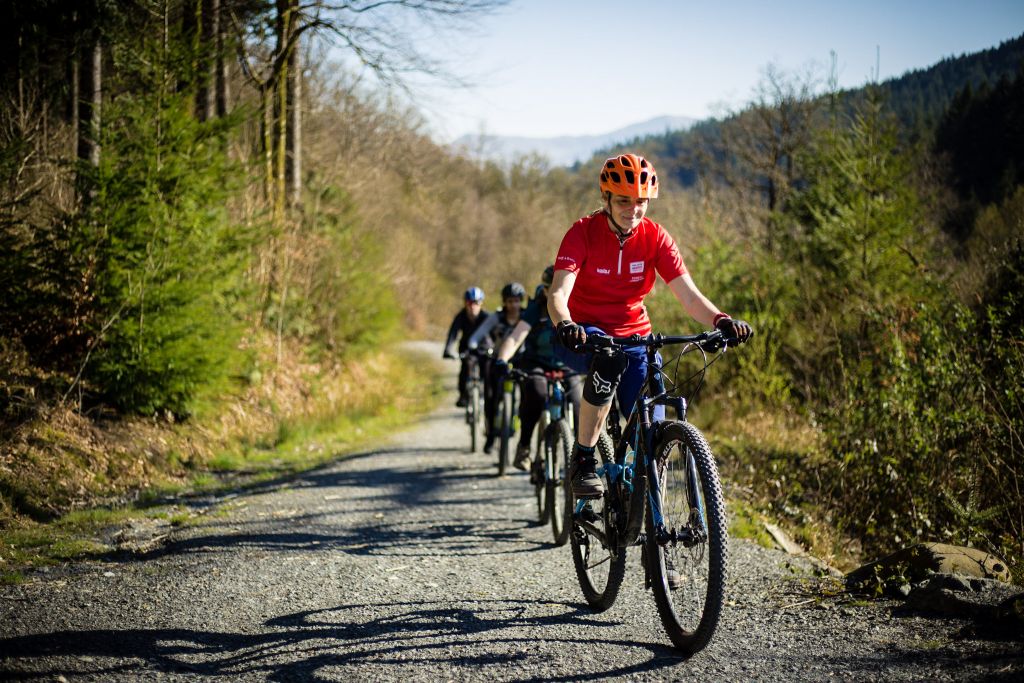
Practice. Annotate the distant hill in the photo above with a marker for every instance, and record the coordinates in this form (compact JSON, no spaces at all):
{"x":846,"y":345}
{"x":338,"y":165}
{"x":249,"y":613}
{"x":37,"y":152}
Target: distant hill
{"x":918,"y":98}
{"x":565,"y":150}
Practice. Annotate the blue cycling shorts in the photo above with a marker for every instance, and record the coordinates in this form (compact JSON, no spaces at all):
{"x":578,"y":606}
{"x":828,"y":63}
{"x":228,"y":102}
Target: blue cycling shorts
{"x":629,"y":381}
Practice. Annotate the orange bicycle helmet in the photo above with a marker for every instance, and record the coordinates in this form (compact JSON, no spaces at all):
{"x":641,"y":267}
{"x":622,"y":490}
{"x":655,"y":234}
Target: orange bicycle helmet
{"x":629,"y":175}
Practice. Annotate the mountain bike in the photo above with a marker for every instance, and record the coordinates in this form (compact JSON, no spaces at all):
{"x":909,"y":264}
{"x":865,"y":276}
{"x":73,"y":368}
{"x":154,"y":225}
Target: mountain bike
{"x":474,"y":394}
{"x":662,"y":492}
{"x":555,"y":433}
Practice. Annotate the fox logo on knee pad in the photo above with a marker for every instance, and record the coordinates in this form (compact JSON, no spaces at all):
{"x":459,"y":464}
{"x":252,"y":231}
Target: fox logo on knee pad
{"x":601,"y":385}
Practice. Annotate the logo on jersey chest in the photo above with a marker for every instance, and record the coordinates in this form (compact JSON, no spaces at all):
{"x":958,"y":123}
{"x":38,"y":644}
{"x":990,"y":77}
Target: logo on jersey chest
{"x":636,"y":267}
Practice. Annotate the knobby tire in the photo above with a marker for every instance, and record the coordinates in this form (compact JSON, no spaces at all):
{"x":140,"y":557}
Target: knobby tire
{"x":540,"y":451}
{"x":558,"y":506}
{"x":691,"y":612}
{"x":506,"y":432}
{"x":599,"y":569}
{"x":474,"y":417}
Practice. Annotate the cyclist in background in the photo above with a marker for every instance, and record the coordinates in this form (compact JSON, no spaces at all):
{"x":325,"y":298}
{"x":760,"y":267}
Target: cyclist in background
{"x":536,"y":334}
{"x":605,"y":267}
{"x":463,"y":325}
{"x":491,"y":332}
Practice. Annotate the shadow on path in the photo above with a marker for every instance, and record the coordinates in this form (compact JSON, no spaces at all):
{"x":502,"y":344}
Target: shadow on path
{"x":308,"y":644}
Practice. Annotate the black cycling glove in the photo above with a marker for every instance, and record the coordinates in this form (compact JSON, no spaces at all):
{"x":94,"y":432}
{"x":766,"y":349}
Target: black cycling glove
{"x":570,"y":334}
{"x":734,"y":329}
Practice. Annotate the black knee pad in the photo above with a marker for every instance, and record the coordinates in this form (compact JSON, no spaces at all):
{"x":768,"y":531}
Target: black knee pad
{"x":603,"y":378}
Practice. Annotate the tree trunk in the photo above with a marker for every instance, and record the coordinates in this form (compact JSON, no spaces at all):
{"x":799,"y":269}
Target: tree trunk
{"x":293,"y":152}
{"x":71,"y":116}
{"x":206,"y":60}
{"x":220,"y":61}
{"x":267,"y":140}
{"x":89,"y":104}
{"x":280,"y":146}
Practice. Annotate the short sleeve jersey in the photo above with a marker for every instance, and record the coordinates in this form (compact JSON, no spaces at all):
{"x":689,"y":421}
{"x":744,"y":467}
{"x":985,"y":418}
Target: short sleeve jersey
{"x":612,"y":278}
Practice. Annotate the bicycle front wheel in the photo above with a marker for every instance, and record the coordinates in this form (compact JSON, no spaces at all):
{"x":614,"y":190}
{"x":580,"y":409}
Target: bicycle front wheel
{"x":557,"y":499}
{"x":473,"y":416}
{"x":540,"y":482}
{"x":599,"y":560}
{"x":506,"y":432}
{"x":687,"y":553}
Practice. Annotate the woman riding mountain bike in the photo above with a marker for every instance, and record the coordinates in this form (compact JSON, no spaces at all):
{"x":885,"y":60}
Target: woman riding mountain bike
{"x":606,"y":265}
{"x":536,"y":335}
{"x":466,"y":321}
{"x":490,"y":333}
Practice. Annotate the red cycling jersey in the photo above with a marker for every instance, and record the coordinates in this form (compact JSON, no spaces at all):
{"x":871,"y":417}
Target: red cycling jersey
{"x":612,"y":278}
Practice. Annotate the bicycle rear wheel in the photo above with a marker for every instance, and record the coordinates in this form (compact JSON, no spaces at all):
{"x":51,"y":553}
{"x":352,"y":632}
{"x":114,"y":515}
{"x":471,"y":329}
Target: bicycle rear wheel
{"x":557,"y":499}
{"x":600,"y":564}
{"x":692,"y":505}
{"x":506,"y":432}
{"x":473,"y":416}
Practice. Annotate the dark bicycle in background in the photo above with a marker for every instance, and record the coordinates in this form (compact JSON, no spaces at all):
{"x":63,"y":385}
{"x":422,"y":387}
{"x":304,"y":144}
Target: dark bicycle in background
{"x":474,"y":394}
{"x":663,"y":493}
{"x":508,"y":420}
{"x":553,"y":440}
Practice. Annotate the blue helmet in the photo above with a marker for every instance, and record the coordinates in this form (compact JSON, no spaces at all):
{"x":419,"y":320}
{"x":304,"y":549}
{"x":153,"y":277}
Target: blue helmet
{"x":474,"y":294}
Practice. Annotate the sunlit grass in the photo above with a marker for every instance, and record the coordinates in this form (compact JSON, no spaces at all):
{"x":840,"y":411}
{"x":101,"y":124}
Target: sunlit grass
{"x":296,"y":445}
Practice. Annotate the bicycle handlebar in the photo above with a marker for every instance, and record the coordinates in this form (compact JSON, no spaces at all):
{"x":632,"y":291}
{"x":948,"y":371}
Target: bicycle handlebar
{"x":479,"y":352}
{"x":711,"y":340}
{"x":566,"y":373}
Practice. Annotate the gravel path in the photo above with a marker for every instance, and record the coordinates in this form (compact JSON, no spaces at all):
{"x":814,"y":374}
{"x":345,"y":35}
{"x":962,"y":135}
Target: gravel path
{"x":415,"y":562}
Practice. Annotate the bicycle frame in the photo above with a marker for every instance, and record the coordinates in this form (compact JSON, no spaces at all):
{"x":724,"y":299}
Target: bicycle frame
{"x":639,"y":435}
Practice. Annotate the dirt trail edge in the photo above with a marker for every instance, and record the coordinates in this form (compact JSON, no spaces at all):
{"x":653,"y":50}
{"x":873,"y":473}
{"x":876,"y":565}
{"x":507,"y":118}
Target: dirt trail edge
{"x":414,"y":561}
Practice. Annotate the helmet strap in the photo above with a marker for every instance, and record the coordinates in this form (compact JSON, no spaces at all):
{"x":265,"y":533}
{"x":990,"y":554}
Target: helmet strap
{"x":623,"y":235}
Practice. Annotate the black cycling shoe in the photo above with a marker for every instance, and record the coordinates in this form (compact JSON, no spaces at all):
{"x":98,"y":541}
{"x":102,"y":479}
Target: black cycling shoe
{"x":583,"y":479}
{"x":489,"y":444}
{"x":522,"y":456}
{"x":461,"y":403}
{"x":537,"y":474}
{"x":672,"y":577}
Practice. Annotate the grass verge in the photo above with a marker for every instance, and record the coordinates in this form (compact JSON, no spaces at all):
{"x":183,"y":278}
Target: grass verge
{"x":66,"y":481}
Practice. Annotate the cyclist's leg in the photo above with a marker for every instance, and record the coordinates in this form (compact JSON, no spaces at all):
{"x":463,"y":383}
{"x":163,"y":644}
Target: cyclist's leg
{"x":574,"y":388}
{"x":587,"y":414}
{"x":632,"y":381}
{"x":603,"y":375}
{"x":463,"y":381}
{"x":531,"y":404}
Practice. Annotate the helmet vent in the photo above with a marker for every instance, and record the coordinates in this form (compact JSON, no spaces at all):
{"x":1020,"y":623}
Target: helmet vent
{"x":615,"y":177}
{"x":626,"y":161}
{"x":643,"y":177}
{"x":630,"y":176}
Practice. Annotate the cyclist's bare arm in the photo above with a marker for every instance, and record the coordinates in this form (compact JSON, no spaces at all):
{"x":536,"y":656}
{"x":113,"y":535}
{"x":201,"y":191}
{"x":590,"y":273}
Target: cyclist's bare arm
{"x":513,"y":340}
{"x":558,"y":296}
{"x":698,"y":306}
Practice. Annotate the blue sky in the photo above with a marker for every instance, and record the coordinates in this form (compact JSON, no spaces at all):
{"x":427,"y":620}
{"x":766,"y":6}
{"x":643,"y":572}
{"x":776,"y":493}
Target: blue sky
{"x":576,"y":67}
